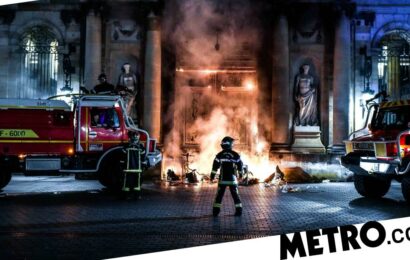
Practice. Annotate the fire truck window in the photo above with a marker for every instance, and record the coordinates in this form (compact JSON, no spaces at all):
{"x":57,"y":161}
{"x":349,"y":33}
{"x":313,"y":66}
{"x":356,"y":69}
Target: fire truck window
{"x":61,"y":119}
{"x":104,"y":118}
{"x":392,"y":119}
{"x":114,"y":121}
{"x":97,"y":118}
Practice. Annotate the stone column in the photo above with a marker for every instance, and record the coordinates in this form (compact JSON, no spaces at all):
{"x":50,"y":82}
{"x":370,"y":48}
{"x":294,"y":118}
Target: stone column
{"x":4,"y":56}
{"x":93,"y":48}
{"x":393,"y":71}
{"x":152,"y":79}
{"x":341,"y":84}
{"x":281,"y":87}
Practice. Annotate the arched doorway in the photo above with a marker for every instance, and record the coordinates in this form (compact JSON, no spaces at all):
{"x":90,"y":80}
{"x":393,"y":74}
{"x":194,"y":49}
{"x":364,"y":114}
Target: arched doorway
{"x":39,"y":63}
{"x":394,"y":64}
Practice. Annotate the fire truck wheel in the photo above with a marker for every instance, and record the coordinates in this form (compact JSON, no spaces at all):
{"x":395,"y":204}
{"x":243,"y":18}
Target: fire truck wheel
{"x":405,"y":188}
{"x":5,"y":178}
{"x":110,"y":173}
{"x":371,"y":187}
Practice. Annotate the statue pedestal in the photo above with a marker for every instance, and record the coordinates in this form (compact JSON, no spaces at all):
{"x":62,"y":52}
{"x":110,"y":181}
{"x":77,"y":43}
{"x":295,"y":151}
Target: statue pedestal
{"x":307,"y":140}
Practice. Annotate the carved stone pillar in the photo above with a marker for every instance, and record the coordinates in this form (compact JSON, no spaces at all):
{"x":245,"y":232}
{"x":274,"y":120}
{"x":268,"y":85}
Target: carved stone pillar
{"x":152,"y":79}
{"x":8,"y":66}
{"x":280,"y":84}
{"x":341,"y":83}
{"x":93,"y":48}
{"x":393,"y":71}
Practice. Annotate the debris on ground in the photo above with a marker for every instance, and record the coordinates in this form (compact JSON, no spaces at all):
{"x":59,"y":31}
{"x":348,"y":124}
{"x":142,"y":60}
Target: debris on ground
{"x":277,"y":180}
{"x":192,"y":177}
{"x":296,"y":175}
{"x":287,"y":188}
{"x":171,"y":176}
{"x":246,"y":179}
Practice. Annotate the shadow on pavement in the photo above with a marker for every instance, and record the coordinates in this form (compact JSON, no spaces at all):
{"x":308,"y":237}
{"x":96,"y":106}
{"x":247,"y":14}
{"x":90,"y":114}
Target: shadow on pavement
{"x":397,"y":208}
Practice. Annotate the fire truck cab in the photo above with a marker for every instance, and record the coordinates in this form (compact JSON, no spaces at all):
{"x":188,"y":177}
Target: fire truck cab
{"x":380,"y":152}
{"x":48,"y":136}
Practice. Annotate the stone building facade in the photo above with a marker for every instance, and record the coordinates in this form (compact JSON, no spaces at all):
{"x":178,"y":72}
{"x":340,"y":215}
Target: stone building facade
{"x":353,"y":48}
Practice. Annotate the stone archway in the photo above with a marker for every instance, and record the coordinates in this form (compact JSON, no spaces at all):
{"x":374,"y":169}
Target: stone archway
{"x":39,"y":64}
{"x":392,"y":43}
{"x":34,"y":65}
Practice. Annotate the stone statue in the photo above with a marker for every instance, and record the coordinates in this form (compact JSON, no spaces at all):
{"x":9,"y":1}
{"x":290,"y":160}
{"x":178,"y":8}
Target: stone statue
{"x":127,"y":87}
{"x":306,"y":99}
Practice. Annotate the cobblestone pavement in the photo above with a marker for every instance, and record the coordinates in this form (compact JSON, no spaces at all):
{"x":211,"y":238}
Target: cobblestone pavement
{"x":57,"y":217}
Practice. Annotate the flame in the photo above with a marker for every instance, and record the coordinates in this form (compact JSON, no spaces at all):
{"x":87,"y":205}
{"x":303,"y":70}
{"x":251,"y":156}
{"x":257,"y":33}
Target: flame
{"x":210,"y":132}
{"x":254,"y":128}
{"x":224,"y":115}
{"x":208,"y":71}
{"x":249,"y":84}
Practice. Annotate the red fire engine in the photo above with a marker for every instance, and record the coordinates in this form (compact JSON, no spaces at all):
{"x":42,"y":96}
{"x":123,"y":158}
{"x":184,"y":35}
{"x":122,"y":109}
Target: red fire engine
{"x":42,"y":136}
{"x":380,"y":152}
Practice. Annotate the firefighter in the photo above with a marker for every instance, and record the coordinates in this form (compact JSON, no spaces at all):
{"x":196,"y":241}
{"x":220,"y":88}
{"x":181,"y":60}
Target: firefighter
{"x":230,"y":165}
{"x":104,"y":88}
{"x":136,"y":162}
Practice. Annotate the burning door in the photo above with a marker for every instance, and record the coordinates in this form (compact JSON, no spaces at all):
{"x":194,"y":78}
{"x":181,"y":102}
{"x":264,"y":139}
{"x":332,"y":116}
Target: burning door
{"x":222,"y":101}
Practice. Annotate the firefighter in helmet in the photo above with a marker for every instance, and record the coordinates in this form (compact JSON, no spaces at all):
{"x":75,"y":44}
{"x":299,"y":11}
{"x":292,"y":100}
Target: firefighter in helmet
{"x":230,"y":164}
{"x":136,"y":162}
{"x":104,"y":88}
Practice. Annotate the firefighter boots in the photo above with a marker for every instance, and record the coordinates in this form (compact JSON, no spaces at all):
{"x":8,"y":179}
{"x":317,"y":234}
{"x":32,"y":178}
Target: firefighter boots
{"x":238,"y":211}
{"x":216,"y":211}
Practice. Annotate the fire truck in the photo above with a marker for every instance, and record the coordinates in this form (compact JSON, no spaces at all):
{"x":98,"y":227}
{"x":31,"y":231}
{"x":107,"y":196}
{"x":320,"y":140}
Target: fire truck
{"x":49,"y":136}
{"x":380,"y":152}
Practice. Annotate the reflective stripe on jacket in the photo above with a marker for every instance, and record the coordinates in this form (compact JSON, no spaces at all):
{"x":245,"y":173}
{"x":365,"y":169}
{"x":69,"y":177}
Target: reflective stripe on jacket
{"x":229,"y":163}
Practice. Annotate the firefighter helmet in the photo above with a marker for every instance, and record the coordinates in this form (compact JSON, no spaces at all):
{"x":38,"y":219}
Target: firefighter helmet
{"x":227,"y":142}
{"x":102,"y":76}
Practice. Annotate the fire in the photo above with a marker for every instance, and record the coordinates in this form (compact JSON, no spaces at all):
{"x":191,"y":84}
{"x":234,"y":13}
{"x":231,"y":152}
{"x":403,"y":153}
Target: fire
{"x":260,"y":146}
{"x":208,"y":71}
{"x":249,"y":85}
{"x":210,"y":133}
{"x":233,"y":113}
{"x":254,"y":129}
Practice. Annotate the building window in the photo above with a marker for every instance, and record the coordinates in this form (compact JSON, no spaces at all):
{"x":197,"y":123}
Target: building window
{"x":382,"y":68}
{"x":39,"y":65}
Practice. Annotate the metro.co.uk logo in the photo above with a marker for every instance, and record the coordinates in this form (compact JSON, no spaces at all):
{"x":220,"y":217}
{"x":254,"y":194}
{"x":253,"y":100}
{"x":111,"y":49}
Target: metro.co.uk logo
{"x":343,"y":238}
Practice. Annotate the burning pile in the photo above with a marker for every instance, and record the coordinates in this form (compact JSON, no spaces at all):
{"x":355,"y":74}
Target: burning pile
{"x":209,"y":132}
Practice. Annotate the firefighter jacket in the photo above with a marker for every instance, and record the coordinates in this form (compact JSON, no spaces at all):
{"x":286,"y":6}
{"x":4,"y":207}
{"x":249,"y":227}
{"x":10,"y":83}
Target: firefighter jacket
{"x":230,"y":164}
{"x":104,"y":88}
{"x":136,"y":158}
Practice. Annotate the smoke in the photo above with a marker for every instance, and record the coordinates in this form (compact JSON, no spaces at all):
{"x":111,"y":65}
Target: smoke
{"x":196,"y":27}
{"x":205,"y":35}
{"x":233,"y":114}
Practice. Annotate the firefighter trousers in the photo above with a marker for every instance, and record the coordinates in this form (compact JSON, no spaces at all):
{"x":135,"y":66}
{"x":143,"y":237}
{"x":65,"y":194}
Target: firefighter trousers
{"x":132,"y":181}
{"x":234,"y":193}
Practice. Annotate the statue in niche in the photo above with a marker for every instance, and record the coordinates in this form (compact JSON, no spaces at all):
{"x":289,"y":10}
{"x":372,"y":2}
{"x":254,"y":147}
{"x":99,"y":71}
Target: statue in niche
{"x":305,"y":98}
{"x":127,"y":87}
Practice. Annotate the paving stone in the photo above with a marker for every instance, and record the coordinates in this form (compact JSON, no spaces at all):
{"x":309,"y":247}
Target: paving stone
{"x":58,"y":217}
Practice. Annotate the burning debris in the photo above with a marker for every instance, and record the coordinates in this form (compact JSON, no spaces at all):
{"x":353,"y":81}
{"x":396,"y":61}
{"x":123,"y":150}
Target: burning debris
{"x":246,"y":179}
{"x":277,"y":179}
{"x":171,"y":176}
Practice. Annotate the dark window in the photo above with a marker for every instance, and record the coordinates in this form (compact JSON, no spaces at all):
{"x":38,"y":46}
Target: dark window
{"x":394,"y":118}
{"x":107,"y":117}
